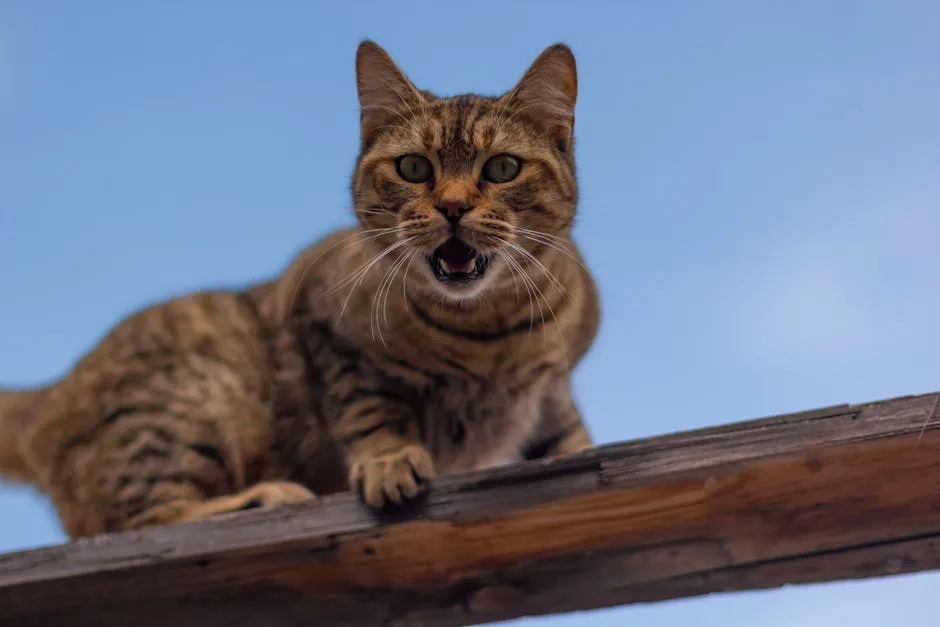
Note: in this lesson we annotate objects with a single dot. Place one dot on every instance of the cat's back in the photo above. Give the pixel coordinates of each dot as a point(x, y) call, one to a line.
point(199, 324)
point(153, 365)
point(162, 346)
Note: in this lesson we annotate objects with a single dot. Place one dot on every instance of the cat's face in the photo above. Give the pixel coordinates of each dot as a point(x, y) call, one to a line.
point(469, 191)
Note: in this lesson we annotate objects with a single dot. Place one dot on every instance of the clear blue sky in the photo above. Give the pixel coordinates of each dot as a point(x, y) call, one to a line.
point(761, 199)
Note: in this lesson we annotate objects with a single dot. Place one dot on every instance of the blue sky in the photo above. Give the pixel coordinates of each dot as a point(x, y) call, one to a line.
point(760, 199)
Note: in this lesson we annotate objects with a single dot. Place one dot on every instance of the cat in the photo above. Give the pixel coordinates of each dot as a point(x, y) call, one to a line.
point(435, 336)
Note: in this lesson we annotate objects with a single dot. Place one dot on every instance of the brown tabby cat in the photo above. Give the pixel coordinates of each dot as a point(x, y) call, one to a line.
point(436, 336)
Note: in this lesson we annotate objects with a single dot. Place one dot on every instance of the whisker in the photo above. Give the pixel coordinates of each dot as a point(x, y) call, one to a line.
point(396, 268)
point(506, 120)
point(373, 305)
point(376, 211)
point(366, 235)
point(388, 110)
point(560, 240)
point(404, 283)
point(361, 274)
point(404, 263)
point(355, 273)
point(515, 283)
point(540, 295)
point(404, 278)
point(527, 255)
point(400, 96)
point(374, 322)
point(527, 284)
point(537, 238)
point(364, 269)
point(397, 127)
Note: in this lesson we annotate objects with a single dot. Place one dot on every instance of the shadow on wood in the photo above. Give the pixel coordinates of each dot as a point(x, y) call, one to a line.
point(838, 493)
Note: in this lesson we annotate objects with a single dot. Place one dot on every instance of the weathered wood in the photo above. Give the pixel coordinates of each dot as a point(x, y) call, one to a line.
point(844, 492)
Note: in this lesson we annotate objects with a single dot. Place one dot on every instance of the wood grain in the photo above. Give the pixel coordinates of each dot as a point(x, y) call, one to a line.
point(843, 492)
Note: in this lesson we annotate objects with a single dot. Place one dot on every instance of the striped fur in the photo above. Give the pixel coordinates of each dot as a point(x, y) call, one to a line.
point(356, 367)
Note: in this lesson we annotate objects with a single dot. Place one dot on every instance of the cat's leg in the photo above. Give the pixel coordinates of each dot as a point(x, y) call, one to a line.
point(560, 431)
point(154, 464)
point(264, 494)
point(376, 429)
point(170, 418)
point(388, 464)
point(180, 442)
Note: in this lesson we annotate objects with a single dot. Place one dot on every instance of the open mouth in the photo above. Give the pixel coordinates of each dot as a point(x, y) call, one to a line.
point(456, 261)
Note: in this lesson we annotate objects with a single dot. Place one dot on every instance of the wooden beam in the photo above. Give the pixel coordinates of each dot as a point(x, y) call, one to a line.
point(838, 493)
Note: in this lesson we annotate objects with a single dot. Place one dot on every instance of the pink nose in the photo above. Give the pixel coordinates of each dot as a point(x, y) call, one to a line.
point(453, 208)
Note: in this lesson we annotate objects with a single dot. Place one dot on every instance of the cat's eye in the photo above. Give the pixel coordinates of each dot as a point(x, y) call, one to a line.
point(501, 169)
point(414, 168)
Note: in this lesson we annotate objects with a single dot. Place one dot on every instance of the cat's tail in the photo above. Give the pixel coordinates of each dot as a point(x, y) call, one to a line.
point(16, 407)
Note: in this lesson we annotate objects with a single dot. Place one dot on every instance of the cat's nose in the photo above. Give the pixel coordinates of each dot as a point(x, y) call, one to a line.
point(453, 208)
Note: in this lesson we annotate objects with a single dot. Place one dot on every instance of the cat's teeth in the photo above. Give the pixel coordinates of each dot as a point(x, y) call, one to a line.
point(464, 267)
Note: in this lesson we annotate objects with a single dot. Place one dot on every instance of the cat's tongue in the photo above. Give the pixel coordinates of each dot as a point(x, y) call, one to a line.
point(457, 256)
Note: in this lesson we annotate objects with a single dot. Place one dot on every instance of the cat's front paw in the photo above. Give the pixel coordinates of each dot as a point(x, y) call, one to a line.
point(392, 478)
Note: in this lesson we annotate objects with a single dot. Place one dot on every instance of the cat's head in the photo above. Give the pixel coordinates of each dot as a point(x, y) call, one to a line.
point(470, 190)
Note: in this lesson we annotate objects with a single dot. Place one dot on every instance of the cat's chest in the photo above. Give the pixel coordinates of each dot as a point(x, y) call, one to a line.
point(473, 424)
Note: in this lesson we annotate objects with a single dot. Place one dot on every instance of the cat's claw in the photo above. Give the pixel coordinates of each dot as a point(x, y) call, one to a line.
point(393, 478)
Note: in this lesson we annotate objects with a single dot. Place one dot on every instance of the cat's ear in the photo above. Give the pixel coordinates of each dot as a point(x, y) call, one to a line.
point(383, 88)
point(548, 92)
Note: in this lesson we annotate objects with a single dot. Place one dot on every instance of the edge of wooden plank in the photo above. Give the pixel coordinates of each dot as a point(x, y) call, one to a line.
point(623, 465)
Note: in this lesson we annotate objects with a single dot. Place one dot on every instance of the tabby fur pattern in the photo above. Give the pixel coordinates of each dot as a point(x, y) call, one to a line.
point(435, 336)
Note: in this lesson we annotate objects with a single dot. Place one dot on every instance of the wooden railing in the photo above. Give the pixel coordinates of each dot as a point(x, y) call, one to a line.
point(837, 493)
